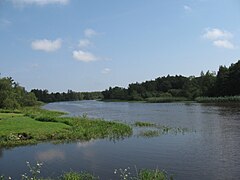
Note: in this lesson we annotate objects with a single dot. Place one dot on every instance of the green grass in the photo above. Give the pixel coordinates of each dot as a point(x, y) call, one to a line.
point(35, 125)
point(226, 99)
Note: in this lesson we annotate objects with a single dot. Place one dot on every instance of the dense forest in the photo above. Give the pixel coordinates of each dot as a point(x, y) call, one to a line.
point(226, 82)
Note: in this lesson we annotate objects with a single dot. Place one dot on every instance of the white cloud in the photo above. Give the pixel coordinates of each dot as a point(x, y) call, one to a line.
point(106, 71)
point(90, 33)
point(83, 43)
point(4, 22)
point(84, 56)
point(46, 45)
point(214, 33)
point(224, 44)
point(187, 8)
point(38, 2)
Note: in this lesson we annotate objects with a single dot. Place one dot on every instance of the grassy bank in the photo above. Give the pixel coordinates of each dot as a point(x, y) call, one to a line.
point(226, 99)
point(33, 125)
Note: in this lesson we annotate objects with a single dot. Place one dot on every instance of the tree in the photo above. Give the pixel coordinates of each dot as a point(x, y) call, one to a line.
point(234, 79)
point(13, 96)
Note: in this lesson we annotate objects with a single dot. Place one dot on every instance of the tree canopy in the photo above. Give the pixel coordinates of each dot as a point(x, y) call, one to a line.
point(225, 83)
point(13, 96)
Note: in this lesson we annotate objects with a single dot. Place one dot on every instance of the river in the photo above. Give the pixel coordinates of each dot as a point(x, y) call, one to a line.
point(210, 150)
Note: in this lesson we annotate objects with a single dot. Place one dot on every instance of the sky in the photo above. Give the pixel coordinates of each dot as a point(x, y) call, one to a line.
point(90, 45)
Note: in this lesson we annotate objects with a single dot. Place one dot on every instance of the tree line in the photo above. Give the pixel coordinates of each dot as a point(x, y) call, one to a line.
point(226, 82)
point(45, 96)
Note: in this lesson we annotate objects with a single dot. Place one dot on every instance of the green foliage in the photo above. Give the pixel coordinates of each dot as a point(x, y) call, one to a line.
point(45, 96)
point(13, 96)
point(180, 88)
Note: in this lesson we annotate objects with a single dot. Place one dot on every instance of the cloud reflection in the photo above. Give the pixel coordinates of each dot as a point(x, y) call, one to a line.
point(50, 155)
point(85, 144)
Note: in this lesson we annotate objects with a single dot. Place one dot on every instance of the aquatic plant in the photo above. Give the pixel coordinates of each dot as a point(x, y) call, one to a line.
point(144, 124)
point(150, 133)
point(77, 176)
point(33, 170)
point(153, 130)
point(142, 174)
point(148, 174)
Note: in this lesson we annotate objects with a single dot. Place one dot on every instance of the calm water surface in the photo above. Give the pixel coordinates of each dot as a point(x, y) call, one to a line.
point(211, 150)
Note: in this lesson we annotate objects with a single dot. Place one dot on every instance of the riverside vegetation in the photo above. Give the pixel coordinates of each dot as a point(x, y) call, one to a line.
point(122, 174)
point(31, 125)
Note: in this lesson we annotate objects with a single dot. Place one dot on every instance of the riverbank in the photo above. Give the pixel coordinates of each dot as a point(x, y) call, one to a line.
point(225, 99)
point(33, 125)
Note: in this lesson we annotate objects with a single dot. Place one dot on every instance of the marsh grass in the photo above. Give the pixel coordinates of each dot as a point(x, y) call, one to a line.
point(150, 133)
point(144, 124)
point(165, 99)
point(34, 125)
point(226, 99)
point(78, 176)
point(158, 130)
point(142, 174)
point(148, 174)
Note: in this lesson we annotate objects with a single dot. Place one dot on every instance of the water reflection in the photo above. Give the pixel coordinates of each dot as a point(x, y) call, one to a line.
point(1, 152)
point(212, 152)
point(49, 155)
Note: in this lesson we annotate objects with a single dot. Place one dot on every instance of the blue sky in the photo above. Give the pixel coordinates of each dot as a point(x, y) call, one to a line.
point(89, 45)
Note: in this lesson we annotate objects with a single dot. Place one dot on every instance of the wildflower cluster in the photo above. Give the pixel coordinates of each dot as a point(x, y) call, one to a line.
point(34, 171)
point(123, 173)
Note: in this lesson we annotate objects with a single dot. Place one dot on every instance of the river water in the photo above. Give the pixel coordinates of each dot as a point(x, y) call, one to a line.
point(210, 150)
